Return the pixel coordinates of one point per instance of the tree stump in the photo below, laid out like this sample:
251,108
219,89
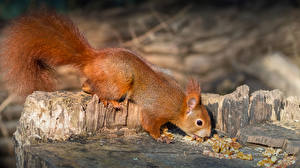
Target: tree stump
61,116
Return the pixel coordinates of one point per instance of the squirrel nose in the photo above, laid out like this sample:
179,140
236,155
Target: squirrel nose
204,133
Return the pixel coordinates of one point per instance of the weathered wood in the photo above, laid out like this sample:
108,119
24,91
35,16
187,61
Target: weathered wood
213,105
271,135
235,110
120,152
292,146
290,109
60,116
265,106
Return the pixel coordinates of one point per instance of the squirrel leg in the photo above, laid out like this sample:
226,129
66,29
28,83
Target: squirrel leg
108,93
152,125
115,104
86,87
107,81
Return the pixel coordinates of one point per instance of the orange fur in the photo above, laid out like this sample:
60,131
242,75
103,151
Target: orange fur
36,43
193,91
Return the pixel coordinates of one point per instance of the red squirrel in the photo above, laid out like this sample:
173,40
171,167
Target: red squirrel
37,42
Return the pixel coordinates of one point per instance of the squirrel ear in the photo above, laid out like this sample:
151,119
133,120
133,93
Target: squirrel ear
193,87
193,93
192,102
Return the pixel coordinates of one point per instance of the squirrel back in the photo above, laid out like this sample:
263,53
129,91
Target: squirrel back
34,44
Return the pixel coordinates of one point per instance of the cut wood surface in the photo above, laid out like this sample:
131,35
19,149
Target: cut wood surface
120,152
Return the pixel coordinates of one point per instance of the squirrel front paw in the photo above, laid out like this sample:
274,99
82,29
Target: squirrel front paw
165,139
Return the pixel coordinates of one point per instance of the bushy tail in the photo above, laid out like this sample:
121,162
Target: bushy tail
36,43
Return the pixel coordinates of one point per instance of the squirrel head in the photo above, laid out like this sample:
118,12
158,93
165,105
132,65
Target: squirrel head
196,120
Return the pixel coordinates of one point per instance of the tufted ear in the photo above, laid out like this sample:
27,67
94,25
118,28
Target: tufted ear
193,92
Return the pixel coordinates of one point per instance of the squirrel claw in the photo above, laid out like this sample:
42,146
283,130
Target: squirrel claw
165,139
105,102
195,137
114,103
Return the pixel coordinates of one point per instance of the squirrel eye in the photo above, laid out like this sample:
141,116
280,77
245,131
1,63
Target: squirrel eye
199,123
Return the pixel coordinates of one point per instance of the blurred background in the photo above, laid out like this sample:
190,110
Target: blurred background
222,43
